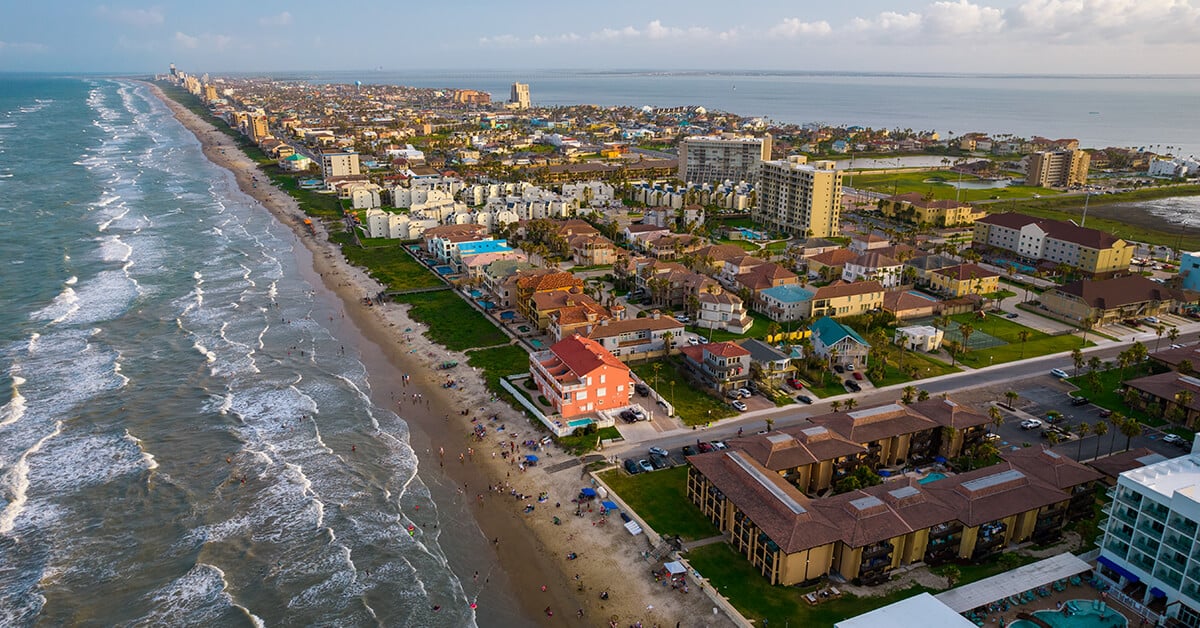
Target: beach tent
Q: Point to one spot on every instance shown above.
(633, 528)
(609, 505)
(588, 492)
(531, 458)
(675, 567)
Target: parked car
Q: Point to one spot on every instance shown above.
(688, 450)
(705, 447)
(991, 436)
(659, 462)
(703, 340)
(1059, 373)
(683, 319)
(628, 416)
(719, 444)
(734, 393)
(1105, 413)
(641, 389)
(639, 414)
(1030, 424)
(850, 367)
(1079, 401)
(632, 467)
(858, 376)
(659, 451)
(795, 383)
(693, 340)
(839, 368)
(738, 405)
(804, 399)
(1175, 439)
(853, 385)
(1011, 315)
(745, 393)
(1153, 320)
(645, 465)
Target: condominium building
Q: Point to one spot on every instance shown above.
(713, 159)
(1058, 168)
(339, 164)
(1094, 252)
(800, 198)
(519, 97)
(256, 128)
(914, 208)
(1150, 538)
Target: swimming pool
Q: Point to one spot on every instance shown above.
(1086, 614)
(751, 234)
(922, 295)
(932, 477)
(537, 344)
(444, 270)
(573, 423)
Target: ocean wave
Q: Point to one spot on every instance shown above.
(104, 297)
(63, 306)
(12, 411)
(198, 597)
(15, 483)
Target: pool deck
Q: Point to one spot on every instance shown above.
(1080, 592)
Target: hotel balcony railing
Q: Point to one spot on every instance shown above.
(984, 542)
(943, 529)
(1121, 533)
(1125, 514)
(1188, 528)
(1158, 513)
(872, 566)
(880, 549)
(1047, 522)
(1177, 542)
(1169, 576)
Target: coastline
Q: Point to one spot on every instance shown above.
(531, 556)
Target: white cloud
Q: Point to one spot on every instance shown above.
(655, 30)
(22, 46)
(283, 19)
(141, 18)
(793, 28)
(205, 41)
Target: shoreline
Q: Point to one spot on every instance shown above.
(531, 554)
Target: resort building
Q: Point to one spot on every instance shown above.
(1094, 252)
(577, 376)
(519, 96)
(1150, 538)
(1189, 271)
(1111, 300)
(847, 299)
(1172, 395)
(964, 279)
(721, 366)
(914, 208)
(714, 159)
(339, 165)
(800, 198)
(1057, 168)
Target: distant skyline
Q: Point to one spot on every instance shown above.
(990, 36)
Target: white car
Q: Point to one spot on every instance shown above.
(741, 407)
(1174, 439)
(1030, 424)
(850, 368)
(693, 340)
(745, 392)
(1153, 320)
(1059, 373)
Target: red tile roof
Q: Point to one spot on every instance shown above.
(584, 355)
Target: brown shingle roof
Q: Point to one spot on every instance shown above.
(963, 272)
(844, 289)
(616, 328)
(874, 423)
(1116, 464)
(836, 257)
(992, 493)
(725, 349)
(1057, 229)
(949, 413)
(549, 281)
(1054, 469)
(1113, 293)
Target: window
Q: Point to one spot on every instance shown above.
(581, 395)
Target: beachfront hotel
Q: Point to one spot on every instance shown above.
(1058, 168)
(800, 198)
(1149, 550)
(715, 159)
(1092, 251)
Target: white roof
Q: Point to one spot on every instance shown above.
(920, 611)
(1019, 580)
(1180, 474)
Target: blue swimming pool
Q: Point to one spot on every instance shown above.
(751, 234)
(579, 422)
(1083, 614)
(922, 295)
(444, 270)
(932, 477)
(537, 344)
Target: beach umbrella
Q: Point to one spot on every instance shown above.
(588, 492)
(531, 458)
(940, 460)
(609, 505)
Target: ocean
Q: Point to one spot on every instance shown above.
(1099, 111)
(177, 416)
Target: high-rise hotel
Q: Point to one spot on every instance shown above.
(800, 198)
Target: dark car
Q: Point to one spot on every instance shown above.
(1079, 401)
(839, 368)
(658, 461)
(628, 416)
(688, 450)
(804, 399)
(853, 385)
(1011, 315)
(858, 376)
(1105, 412)
(631, 466)
(641, 389)
(705, 448)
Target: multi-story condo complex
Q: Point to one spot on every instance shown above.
(916, 209)
(800, 198)
(1094, 252)
(1149, 549)
(519, 97)
(339, 164)
(714, 159)
(1058, 168)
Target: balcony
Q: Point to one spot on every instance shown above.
(877, 550)
(1177, 542)
(1157, 512)
(994, 528)
(1123, 513)
(943, 530)
(874, 566)
(1185, 526)
(985, 542)
(941, 553)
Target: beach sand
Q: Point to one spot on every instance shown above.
(532, 551)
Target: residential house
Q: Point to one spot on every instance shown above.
(909, 304)
(721, 366)
(735, 266)
(672, 246)
(500, 280)
(829, 265)
(873, 266)
(838, 343)
(1095, 253)
(629, 338)
(711, 259)
(764, 276)
(785, 303)
(847, 299)
(863, 243)
(592, 250)
(923, 267)
(964, 279)
(919, 337)
(768, 365)
(533, 284)
(579, 377)
(1110, 300)
(638, 235)
(574, 302)
(722, 310)
(914, 208)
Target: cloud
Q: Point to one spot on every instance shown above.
(655, 31)
(794, 28)
(205, 41)
(283, 19)
(22, 46)
(141, 18)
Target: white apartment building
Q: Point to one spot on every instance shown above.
(1173, 168)
(800, 198)
(1150, 537)
(723, 311)
(339, 164)
(705, 159)
(872, 265)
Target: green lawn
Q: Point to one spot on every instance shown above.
(388, 263)
(736, 222)
(499, 362)
(452, 322)
(583, 269)
(990, 567)
(1039, 343)
(744, 244)
(311, 202)
(830, 385)
(778, 246)
(757, 330)
(660, 498)
(930, 367)
(767, 605)
(1104, 394)
(692, 405)
(940, 184)
(583, 443)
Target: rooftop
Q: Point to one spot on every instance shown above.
(1166, 478)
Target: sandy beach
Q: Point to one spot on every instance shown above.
(531, 550)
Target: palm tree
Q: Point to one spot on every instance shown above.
(1183, 401)
(770, 424)
(1023, 335)
(922, 395)
(1173, 334)
(906, 395)
(656, 368)
(1083, 430)
(1158, 333)
(667, 338)
(1077, 358)
(850, 403)
(1053, 438)
(1011, 397)
(1129, 428)
(1094, 363)
(965, 330)
(835, 405)
(996, 416)
(1100, 428)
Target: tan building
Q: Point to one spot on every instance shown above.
(1058, 168)
(519, 96)
(800, 198)
(847, 299)
(914, 208)
(542, 283)
(713, 159)
(1111, 300)
(964, 279)
(1094, 252)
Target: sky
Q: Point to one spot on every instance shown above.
(983, 36)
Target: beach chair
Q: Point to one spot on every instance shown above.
(1076, 580)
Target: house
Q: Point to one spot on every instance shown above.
(722, 366)
(909, 304)
(768, 365)
(578, 377)
(838, 343)
(574, 300)
(532, 284)
(630, 338)
(711, 259)
(915, 209)
(722, 310)
(785, 303)
(638, 235)
(672, 246)
(873, 266)
(500, 277)
(847, 299)
(919, 337)
(924, 266)
(1097, 254)
(829, 265)
(1110, 300)
(764, 276)
(964, 279)
(592, 250)
(863, 243)
(735, 266)
(295, 163)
